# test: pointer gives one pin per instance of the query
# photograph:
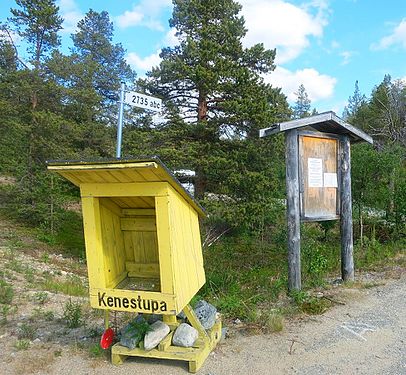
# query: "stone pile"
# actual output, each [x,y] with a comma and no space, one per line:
[148,334]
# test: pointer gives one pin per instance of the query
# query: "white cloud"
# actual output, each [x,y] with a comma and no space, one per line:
[71,15]
[284,26]
[318,86]
[145,13]
[398,36]
[15,38]
[130,18]
[170,39]
[346,55]
[143,63]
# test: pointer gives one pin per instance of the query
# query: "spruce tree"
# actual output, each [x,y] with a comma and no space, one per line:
[302,105]
[100,65]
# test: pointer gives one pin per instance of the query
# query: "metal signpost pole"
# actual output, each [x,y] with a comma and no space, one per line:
[120,120]
[134,99]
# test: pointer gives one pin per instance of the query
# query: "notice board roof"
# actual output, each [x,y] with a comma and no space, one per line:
[148,169]
[327,122]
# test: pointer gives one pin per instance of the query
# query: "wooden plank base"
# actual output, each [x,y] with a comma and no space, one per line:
[195,355]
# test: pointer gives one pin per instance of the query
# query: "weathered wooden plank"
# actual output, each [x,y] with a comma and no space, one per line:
[347,259]
[326,122]
[293,210]
[318,202]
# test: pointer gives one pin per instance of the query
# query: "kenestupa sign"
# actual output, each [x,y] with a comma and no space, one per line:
[136,304]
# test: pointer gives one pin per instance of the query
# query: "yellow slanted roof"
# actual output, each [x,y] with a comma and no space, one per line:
[120,170]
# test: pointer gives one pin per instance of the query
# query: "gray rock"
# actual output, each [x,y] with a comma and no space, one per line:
[224,333]
[182,316]
[206,314]
[130,335]
[154,318]
[159,330]
[185,336]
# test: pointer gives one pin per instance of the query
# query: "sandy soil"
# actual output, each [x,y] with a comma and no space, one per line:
[367,335]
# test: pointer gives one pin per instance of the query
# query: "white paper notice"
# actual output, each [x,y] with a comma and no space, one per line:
[330,180]
[315,168]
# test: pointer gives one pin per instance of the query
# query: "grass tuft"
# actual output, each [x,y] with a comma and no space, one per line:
[73,286]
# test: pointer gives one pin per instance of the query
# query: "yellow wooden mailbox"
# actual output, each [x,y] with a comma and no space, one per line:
[143,246]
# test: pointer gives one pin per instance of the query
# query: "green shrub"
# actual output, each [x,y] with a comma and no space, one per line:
[96,351]
[26,331]
[40,297]
[6,292]
[72,314]
[272,321]
[22,344]
[5,311]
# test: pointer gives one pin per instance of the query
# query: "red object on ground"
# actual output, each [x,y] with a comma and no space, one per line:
[107,338]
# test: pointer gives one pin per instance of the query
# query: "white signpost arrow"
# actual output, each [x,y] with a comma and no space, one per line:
[134,99]
[143,101]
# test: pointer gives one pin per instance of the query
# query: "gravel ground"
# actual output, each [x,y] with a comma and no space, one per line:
[367,335]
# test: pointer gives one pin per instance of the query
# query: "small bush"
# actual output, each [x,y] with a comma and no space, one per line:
[6,292]
[309,304]
[40,297]
[26,331]
[15,265]
[29,274]
[45,257]
[40,314]
[273,322]
[96,351]
[5,311]
[72,314]
[22,344]
[49,316]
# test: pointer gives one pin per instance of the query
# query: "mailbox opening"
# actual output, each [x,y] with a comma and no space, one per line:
[129,236]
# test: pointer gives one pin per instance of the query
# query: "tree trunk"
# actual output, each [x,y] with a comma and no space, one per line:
[202,107]
[200,179]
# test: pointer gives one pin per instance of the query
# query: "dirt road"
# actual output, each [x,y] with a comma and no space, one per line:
[367,335]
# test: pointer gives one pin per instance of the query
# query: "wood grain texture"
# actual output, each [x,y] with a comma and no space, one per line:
[318,203]
[347,248]
[293,210]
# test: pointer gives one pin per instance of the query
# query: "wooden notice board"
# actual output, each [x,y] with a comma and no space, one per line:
[319,179]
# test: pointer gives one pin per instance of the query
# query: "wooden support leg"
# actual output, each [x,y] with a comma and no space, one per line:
[195,322]
[171,321]
[194,366]
[117,359]
[106,319]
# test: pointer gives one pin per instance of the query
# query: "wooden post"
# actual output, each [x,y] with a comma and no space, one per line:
[293,209]
[347,260]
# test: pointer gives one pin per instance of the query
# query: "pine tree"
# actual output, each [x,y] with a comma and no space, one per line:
[212,87]
[302,105]
[354,103]
[100,65]
[38,133]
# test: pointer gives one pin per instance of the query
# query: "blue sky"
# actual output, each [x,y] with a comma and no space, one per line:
[326,45]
